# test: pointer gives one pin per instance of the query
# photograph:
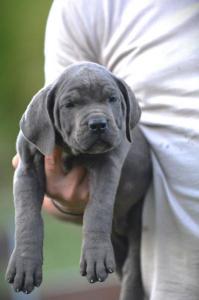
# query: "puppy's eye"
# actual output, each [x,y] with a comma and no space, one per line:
[69,104]
[112,99]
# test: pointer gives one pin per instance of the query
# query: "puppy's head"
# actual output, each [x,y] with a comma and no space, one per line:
[88,107]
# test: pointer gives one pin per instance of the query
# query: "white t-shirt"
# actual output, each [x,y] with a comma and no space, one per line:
[154,46]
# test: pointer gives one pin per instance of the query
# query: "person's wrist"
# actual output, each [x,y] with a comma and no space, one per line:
[49,208]
[66,210]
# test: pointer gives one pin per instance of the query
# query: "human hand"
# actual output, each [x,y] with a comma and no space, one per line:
[69,190]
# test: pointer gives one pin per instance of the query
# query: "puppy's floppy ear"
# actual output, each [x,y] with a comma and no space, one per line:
[37,122]
[133,110]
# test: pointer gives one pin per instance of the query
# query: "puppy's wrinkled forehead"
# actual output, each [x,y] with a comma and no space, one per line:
[87,80]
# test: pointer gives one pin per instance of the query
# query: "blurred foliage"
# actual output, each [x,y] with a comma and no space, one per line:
[22,30]
[21,60]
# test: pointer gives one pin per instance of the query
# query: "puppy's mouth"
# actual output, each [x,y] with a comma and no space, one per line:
[100,143]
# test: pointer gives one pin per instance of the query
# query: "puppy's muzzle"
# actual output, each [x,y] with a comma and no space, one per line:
[97,125]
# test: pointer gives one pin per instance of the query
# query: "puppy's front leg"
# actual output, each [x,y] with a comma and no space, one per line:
[25,266]
[97,259]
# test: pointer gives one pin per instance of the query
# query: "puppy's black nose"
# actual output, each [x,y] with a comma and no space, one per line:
[97,125]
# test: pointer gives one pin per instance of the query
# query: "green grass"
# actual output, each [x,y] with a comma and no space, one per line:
[61,247]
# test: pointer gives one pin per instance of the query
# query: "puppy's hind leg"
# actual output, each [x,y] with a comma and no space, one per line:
[131,288]
[120,248]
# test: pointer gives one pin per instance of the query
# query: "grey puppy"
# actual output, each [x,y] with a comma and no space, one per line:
[90,114]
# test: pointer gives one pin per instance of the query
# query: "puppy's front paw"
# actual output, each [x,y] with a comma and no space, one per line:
[97,261]
[24,273]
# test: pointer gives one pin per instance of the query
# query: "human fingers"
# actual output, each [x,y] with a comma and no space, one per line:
[83,191]
[61,186]
[15,161]
[74,185]
[53,163]
[71,192]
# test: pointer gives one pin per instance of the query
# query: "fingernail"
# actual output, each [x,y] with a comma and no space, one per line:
[110,270]
[99,279]
[91,281]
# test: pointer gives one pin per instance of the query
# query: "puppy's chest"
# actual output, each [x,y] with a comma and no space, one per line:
[70,161]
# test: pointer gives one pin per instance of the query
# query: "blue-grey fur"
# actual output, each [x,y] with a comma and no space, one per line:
[119,175]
